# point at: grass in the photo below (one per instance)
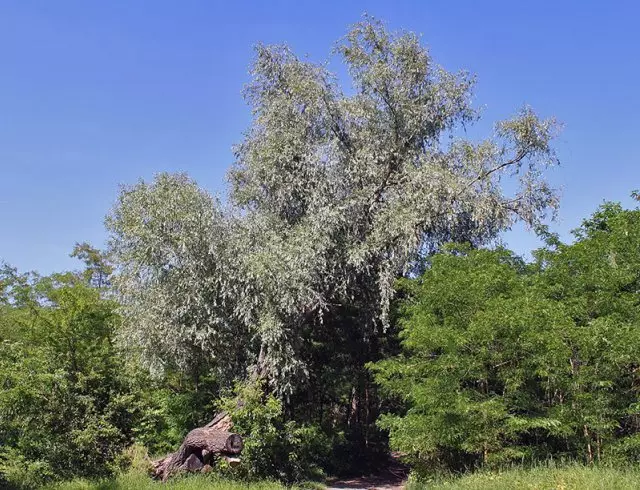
(542, 478)
(136, 480)
(573, 477)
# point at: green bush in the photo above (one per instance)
(169, 408)
(274, 448)
(67, 407)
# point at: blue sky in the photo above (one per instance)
(94, 94)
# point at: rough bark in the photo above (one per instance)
(199, 446)
(221, 421)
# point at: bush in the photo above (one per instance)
(18, 472)
(274, 448)
(67, 407)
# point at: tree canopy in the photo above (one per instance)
(506, 361)
(335, 192)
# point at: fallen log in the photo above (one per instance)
(199, 447)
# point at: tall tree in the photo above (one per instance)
(334, 194)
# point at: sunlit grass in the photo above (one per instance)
(543, 478)
(134, 480)
(573, 477)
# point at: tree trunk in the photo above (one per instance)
(587, 437)
(198, 447)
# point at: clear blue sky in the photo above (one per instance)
(98, 93)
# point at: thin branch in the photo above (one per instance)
(483, 175)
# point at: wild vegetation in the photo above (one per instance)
(509, 362)
(346, 301)
(574, 477)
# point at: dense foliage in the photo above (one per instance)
(334, 194)
(275, 448)
(66, 406)
(71, 399)
(505, 361)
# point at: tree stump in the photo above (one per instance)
(199, 446)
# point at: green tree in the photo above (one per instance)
(597, 280)
(504, 361)
(334, 194)
(98, 269)
(67, 405)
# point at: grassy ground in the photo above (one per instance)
(569, 478)
(140, 481)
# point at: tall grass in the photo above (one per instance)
(136, 480)
(574, 477)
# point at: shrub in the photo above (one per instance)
(274, 448)
(67, 407)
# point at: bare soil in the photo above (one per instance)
(392, 477)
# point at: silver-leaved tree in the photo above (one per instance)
(335, 192)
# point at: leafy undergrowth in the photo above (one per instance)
(140, 481)
(568, 478)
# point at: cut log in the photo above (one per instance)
(197, 448)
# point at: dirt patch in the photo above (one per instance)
(367, 483)
(393, 477)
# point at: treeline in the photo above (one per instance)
(282, 305)
(498, 361)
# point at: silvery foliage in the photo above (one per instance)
(333, 195)
(182, 291)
